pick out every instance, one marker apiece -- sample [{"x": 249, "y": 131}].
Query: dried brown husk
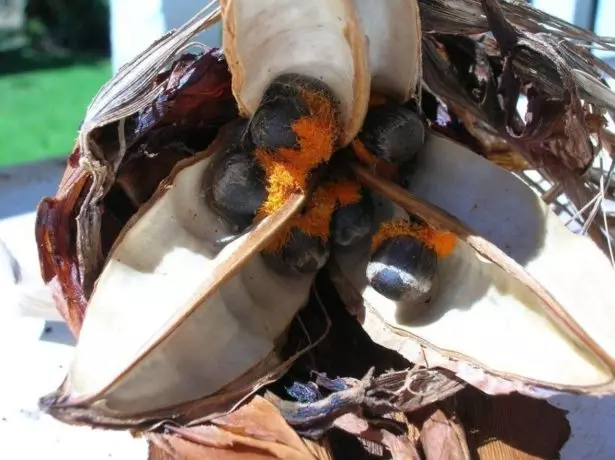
[
  {"x": 533, "y": 54},
  {"x": 471, "y": 425},
  {"x": 255, "y": 431}
]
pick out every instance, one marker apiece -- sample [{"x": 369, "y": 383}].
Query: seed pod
[
  {"x": 170, "y": 298},
  {"x": 175, "y": 324},
  {"x": 402, "y": 269},
  {"x": 351, "y": 223},
  {"x": 302, "y": 254},
  {"x": 535, "y": 326},
  {"x": 392, "y": 133},
  {"x": 234, "y": 186}
]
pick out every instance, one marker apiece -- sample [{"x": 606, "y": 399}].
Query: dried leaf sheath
[
  {"x": 57, "y": 250},
  {"x": 545, "y": 60}
]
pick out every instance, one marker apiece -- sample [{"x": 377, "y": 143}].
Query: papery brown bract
[
  {"x": 255, "y": 431},
  {"x": 54, "y": 233},
  {"x": 205, "y": 99}
]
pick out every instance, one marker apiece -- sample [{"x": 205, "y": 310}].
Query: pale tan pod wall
[
  {"x": 393, "y": 30},
  {"x": 481, "y": 322},
  {"x": 154, "y": 311},
  {"x": 320, "y": 38}
]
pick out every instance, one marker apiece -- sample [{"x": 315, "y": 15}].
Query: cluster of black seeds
[{"x": 402, "y": 268}]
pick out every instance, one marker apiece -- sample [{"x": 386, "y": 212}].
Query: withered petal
[
  {"x": 254, "y": 431},
  {"x": 58, "y": 259}
]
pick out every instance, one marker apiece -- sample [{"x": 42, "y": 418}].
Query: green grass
[{"x": 43, "y": 101}]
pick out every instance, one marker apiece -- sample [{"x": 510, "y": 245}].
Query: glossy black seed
[
  {"x": 281, "y": 105},
  {"x": 352, "y": 223},
  {"x": 270, "y": 126},
  {"x": 402, "y": 269},
  {"x": 392, "y": 133},
  {"x": 235, "y": 188},
  {"x": 302, "y": 254}
]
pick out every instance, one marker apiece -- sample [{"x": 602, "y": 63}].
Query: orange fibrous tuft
[
  {"x": 316, "y": 219},
  {"x": 346, "y": 192},
  {"x": 283, "y": 179},
  {"x": 317, "y": 132},
  {"x": 287, "y": 169},
  {"x": 442, "y": 242}
]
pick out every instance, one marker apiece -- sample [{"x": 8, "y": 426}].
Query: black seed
[
  {"x": 402, "y": 269},
  {"x": 271, "y": 125},
  {"x": 235, "y": 187},
  {"x": 302, "y": 254},
  {"x": 281, "y": 105},
  {"x": 352, "y": 223},
  {"x": 392, "y": 133}
]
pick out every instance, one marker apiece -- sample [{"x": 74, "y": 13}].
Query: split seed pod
[
  {"x": 180, "y": 317},
  {"x": 542, "y": 320}
]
